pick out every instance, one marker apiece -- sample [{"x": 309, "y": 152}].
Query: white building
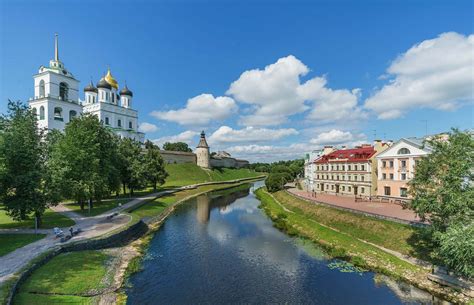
[
  {"x": 310, "y": 169},
  {"x": 56, "y": 100}
]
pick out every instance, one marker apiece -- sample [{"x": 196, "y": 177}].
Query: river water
[{"x": 220, "y": 248}]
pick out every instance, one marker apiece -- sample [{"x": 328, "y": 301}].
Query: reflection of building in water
[
  {"x": 408, "y": 293},
  {"x": 223, "y": 201},
  {"x": 203, "y": 208}
]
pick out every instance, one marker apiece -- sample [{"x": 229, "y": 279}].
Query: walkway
[
  {"x": 91, "y": 227},
  {"x": 384, "y": 210}
]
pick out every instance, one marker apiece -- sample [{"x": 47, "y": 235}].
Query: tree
[
  {"x": 276, "y": 181},
  {"x": 84, "y": 160},
  {"x": 443, "y": 193},
  {"x": 154, "y": 165},
  {"x": 131, "y": 168},
  {"x": 178, "y": 146},
  {"x": 22, "y": 168}
]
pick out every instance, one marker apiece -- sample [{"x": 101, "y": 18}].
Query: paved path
[
  {"x": 386, "y": 210},
  {"x": 91, "y": 227}
]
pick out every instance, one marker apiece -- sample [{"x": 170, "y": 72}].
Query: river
[{"x": 220, "y": 248}]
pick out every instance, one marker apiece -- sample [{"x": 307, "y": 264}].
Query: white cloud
[
  {"x": 331, "y": 105},
  {"x": 271, "y": 91},
  {"x": 436, "y": 73},
  {"x": 270, "y": 153},
  {"x": 200, "y": 110},
  {"x": 276, "y": 92},
  {"x": 189, "y": 137},
  {"x": 147, "y": 127},
  {"x": 226, "y": 134},
  {"x": 332, "y": 137}
]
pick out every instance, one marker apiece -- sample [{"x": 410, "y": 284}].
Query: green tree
[
  {"x": 276, "y": 181},
  {"x": 131, "y": 165},
  {"x": 154, "y": 166},
  {"x": 178, "y": 146},
  {"x": 84, "y": 160},
  {"x": 443, "y": 193},
  {"x": 23, "y": 189}
]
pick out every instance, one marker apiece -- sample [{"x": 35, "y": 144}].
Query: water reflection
[{"x": 220, "y": 248}]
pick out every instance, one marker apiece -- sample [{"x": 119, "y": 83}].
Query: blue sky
[{"x": 280, "y": 77}]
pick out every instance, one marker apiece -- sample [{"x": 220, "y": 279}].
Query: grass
[
  {"x": 67, "y": 278},
  {"x": 388, "y": 234},
  {"x": 50, "y": 220},
  {"x": 189, "y": 173},
  {"x": 337, "y": 243},
  {"x": 98, "y": 208},
  {"x": 11, "y": 242}
]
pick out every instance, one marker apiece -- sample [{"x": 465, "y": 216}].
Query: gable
[{"x": 391, "y": 152}]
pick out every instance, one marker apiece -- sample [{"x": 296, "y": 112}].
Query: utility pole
[{"x": 375, "y": 134}]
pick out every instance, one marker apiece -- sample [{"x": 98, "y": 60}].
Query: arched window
[
  {"x": 130, "y": 125},
  {"x": 106, "y": 121},
  {"x": 41, "y": 89},
  {"x": 119, "y": 123},
  {"x": 35, "y": 111},
  {"x": 403, "y": 151},
  {"x": 63, "y": 91},
  {"x": 42, "y": 113},
  {"x": 72, "y": 115},
  {"x": 58, "y": 113}
]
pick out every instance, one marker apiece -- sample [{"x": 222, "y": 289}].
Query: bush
[{"x": 276, "y": 181}]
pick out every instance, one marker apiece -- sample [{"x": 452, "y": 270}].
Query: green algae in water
[
  {"x": 346, "y": 267},
  {"x": 311, "y": 249}
]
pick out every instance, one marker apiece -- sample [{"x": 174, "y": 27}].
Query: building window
[
  {"x": 384, "y": 164},
  {"x": 384, "y": 176},
  {"x": 119, "y": 123},
  {"x": 35, "y": 112},
  {"x": 362, "y": 190},
  {"x": 361, "y": 178},
  {"x": 391, "y": 164},
  {"x": 41, "y": 89},
  {"x": 72, "y": 115},
  {"x": 106, "y": 121},
  {"x": 403, "y": 192},
  {"x": 362, "y": 167},
  {"x": 386, "y": 190},
  {"x": 41, "y": 113},
  {"x": 58, "y": 113},
  {"x": 63, "y": 91},
  {"x": 348, "y": 188},
  {"x": 348, "y": 167},
  {"x": 404, "y": 176},
  {"x": 343, "y": 188},
  {"x": 403, "y": 151},
  {"x": 355, "y": 167},
  {"x": 349, "y": 178},
  {"x": 130, "y": 125},
  {"x": 391, "y": 176},
  {"x": 404, "y": 163},
  {"x": 355, "y": 178},
  {"x": 332, "y": 187}
]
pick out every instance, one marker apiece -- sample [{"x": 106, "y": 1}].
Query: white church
[{"x": 56, "y": 101}]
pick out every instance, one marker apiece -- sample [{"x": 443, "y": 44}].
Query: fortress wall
[{"x": 171, "y": 157}]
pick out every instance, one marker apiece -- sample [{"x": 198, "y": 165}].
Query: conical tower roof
[{"x": 202, "y": 141}]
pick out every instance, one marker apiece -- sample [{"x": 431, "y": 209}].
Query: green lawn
[
  {"x": 11, "y": 242},
  {"x": 70, "y": 275},
  {"x": 392, "y": 235},
  {"x": 50, "y": 220},
  {"x": 98, "y": 208},
  {"x": 189, "y": 173}
]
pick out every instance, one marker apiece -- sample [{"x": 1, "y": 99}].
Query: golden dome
[{"x": 111, "y": 80}]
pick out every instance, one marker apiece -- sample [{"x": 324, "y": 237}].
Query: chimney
[{"x": 328, "y": 149}]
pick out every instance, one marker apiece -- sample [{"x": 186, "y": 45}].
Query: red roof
[{"x": 348, "y": 155}]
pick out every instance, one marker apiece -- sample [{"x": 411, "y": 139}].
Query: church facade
[{"x": 56, "y": 100}]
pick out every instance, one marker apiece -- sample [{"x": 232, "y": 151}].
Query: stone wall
[
  {"x": 171, "y": 157},
  {"x": 228, "y": 162}
]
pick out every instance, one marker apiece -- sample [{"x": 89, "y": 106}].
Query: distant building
[
  {"x": 56, "y": 100},
  {"x": 396, "y": 167},
  {"x": 350, "y": 172},
  {"x": 202, "y": 152},
  {"x": 310, "y": 166}
]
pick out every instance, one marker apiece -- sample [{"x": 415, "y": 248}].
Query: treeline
[
  {"x": 279, "y": 173},
  {"x": 86, "y": 163}
]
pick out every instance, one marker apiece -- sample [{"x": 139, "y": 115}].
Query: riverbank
[
  {"x": 352, "y": 238},
  {"x": 127, "y": 258}
]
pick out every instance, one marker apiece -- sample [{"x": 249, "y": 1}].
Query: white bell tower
[{"x": 56, "y": 99}]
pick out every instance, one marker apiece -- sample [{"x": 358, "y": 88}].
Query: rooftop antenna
[
  {"x": 56, "y": 47},
  {"x": 375, "y": 134}
]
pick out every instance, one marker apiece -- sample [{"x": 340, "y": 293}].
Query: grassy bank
[
  {"x": 98, "y": 207},
  {"x": 11, "y": 242},
  {"x": 341, "y": 236},
  {"x": 402, "y": 238},
  {"x": 69, "y": 278},
  {"x": 50, "y": 220}
]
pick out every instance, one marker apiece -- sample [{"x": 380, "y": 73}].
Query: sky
[{"x": 266, "y": 80}]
